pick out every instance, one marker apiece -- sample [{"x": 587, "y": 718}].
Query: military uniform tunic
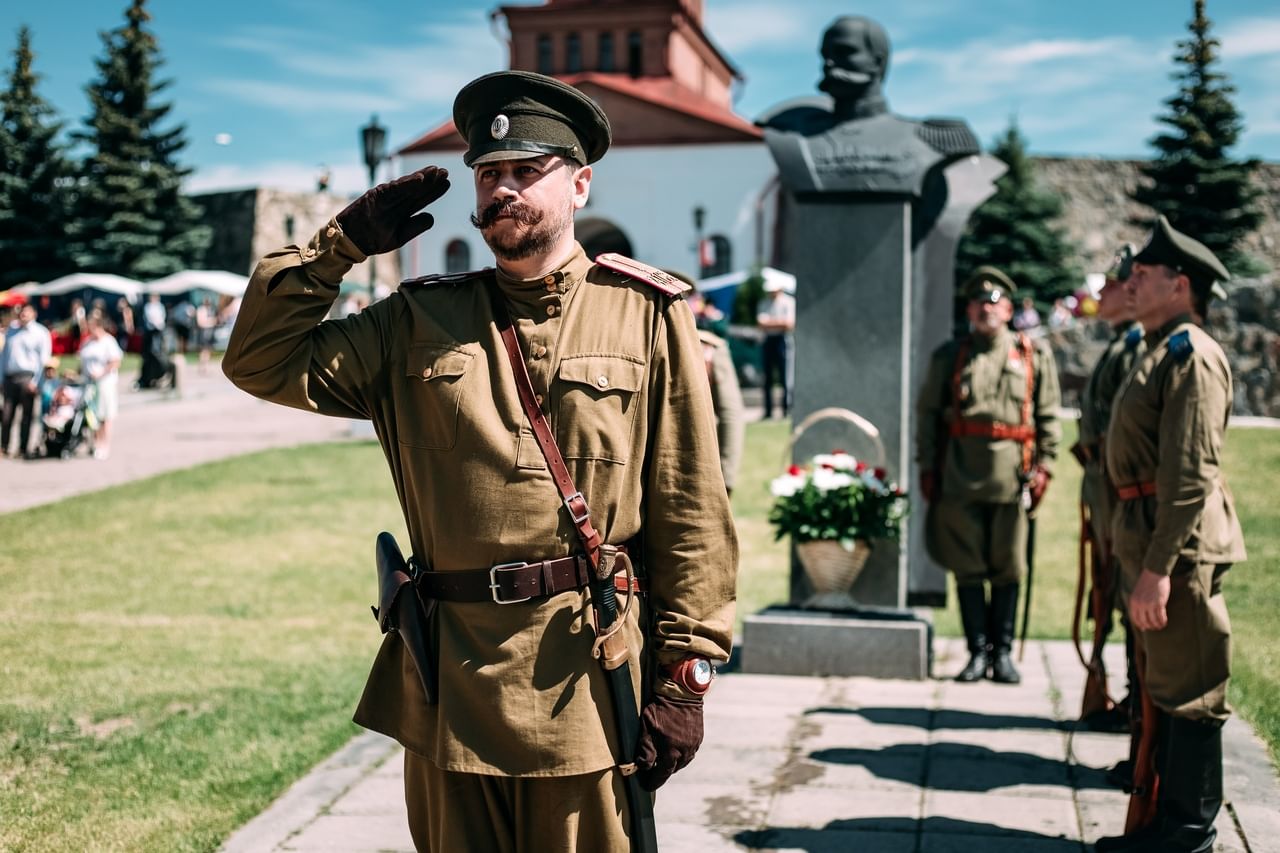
[
  {"x": 1167, "y": 429},
  {"x": 976, "y": 527},
  {"x": 618, "y": 369},
  {"x": 1095, "y": 414},
  {"x": 726, "y": 399}
]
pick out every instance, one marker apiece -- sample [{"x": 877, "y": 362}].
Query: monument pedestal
[{"x": 870, "y": 641}]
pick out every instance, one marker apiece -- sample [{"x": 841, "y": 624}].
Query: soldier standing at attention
[
  {"x": 986, "y": 439},
  {"x": 1176, "y": 533},
  {"x": 1096, "y": 492},
  {"x": 518, "y": 750}
]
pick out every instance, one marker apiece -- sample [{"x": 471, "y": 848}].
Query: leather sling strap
[{"x": 573, "y": 500}]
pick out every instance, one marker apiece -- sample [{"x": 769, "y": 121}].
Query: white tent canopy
[
  {"x": 77, "y": 281},
  {"x": 219, "y": 281},
  {"x": 771, "y": 276}
]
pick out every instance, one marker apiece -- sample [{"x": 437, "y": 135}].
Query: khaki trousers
[
  {"x": 1189, "y": 660},
  {"x": 452, "y": 812},
  {"x": 978, "y": 541}
]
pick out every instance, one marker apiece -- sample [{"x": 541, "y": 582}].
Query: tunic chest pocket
[
  {"x": 427, "y": 407},
  {"x": 597, "y": 406}
]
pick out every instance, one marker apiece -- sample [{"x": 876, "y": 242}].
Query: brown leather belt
[
  {"x": 512, "y": 583},
  {"x": 1134, "y": 491},
  {"x": 992, "y": 429}
]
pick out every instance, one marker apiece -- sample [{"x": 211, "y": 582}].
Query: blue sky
[{"x": 291, "y": 81}]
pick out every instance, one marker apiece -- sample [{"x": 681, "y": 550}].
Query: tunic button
[
  {"x": 539, "y": 351},
  {"x": 551, "y": 310},
  {"x": 602, "y": 380},
  {"x": 538, "y": 399},
  {"x": 309, "y": 252},
  {"x": 426, "y": 373},
  {"x": 549, "y": 280},
  {"x": 551, "y": 287}
]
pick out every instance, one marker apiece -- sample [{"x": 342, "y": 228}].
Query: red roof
[{"x": 661, "y": 92}]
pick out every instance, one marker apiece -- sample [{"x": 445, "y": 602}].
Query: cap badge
[{"x": 500, "y": 127}]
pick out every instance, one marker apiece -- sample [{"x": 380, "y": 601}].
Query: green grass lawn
[{"x": 175, "y": 652}]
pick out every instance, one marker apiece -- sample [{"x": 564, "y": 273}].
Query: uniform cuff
[
  {"x": 666, "y": 687},
  {"x": 329, "y": 255},
  {"x": 1160, "y": 560}
]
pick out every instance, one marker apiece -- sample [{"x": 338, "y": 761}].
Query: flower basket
[{"x": 835, "y": 508}]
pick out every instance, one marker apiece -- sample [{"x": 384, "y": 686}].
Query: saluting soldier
[
  {"x": 1115, "y": 308},
  {"x": 986, "y": 441},
  {"x": 1176, "y": 533},
  {"x": 519, "y": 752}
]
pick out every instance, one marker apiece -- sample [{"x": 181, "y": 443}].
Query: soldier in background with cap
[
  {"x": 986, "y": 439},
  {"x": 1115, "y": 308},
  {"x": 1176, "y": 533},
  {"x": 519, "y": 750}
]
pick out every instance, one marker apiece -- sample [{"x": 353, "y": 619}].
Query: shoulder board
[
  {"x": 1180, "y": 346},
  {"x": 655, "y": 278},
  {"x": 1133, "y": 337},
  {"x": 948, "y": 136},
  {"x": 454, "y": 279}
]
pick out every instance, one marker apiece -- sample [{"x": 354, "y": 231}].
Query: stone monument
[{"x": 871, "y": 209}]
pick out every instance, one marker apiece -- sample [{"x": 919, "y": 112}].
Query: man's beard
[{"x": 540, "y": 235}]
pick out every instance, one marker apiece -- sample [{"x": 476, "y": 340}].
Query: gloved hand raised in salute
[{"x": 386, "y": 217}]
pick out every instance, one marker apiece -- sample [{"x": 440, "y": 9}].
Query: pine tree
[
  {"x": 132, "y": 218},
  {"x": 1015, "y": 230},
  {"x": 34, "y": 179},
  {"x": 1192, "y": 180}
]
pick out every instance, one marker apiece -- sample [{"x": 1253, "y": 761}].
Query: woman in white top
[{"x": 100, "y": 365}]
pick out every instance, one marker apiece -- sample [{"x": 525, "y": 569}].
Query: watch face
[{"x": 702, "y": 672}]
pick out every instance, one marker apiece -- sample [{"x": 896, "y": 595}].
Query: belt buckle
[{"x": 493, "y": 583}]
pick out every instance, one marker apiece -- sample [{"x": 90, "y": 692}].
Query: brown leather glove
[
  {"x": 1038, "y": 484},
  {"x": 386, "y": 217},
  {"x": 670, "y": 734},
  {"x": 928, "y": 485}
]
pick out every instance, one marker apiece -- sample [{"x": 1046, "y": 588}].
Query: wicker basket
[{"x": 829, "y": 567}]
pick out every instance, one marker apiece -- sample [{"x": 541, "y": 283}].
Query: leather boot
[
  {"x": 973, "y": 615},
  {"x": 1004, "y": 611}
]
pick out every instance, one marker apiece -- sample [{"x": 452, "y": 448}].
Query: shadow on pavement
[
  {"x": 923, "y": 718},
  {"x": 983, "y": 835},
  {"x": 963, "y": 767}
]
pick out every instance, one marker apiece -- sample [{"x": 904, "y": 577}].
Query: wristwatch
[{"x": 693, "y": 674}]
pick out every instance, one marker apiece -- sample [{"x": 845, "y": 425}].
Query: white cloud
[
  {"x": 297, "y": 98},
  {"x": 1251, "y": 37},
  {"x": 1047, "y": 50},
  {"x": 282, "y": 175},
  {"x": 748, "y": 26}
]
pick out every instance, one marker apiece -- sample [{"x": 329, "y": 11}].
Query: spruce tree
[
  {"x": 34, "y": 179},
  {"x": 1192, "y": 180},
  {"x": 132, "y": 218},
  {"x": 1015, "y": 230}
]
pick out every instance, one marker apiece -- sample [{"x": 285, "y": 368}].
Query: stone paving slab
[{"x": 876, "y": 773}]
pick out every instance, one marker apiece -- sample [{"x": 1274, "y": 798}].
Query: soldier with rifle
[
  {"x": 549, "y": 431},
  {"x": 987, "y": 437},
  {"x": 1098, "y": 711},
  {"x": 1176, "y": 535}
]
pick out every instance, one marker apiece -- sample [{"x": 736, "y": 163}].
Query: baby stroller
[{"x": 70, "y": 422}]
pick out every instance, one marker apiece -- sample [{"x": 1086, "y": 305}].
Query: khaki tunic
[
  {"x": 620, "y": 369},
  {"x": 726, "y": 399},
  {"x": 962, "y": 531},
  {"x": 1095, "y": 414},
  {"x": 1167, "y": 428}
]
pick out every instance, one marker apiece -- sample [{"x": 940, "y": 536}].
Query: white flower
[
  {"x": 825, "y": 480},
  {"x": 786, "y": 485},
  {"x": 840, "y": 461}
]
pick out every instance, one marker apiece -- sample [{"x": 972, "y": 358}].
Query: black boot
[
  {"x": 1004, "y": 611},
  {"x": 973, "y": 615}
]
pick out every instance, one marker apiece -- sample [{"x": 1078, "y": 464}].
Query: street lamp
[
  {"x": 699, "y": 218},
  {"x": 373, "y": 140}
]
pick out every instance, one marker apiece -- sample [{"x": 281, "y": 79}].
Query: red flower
[
  {"x": 795, "y": 470},
  {"x": 860, "y": 467},
  {"x": 880, "y": 473}
]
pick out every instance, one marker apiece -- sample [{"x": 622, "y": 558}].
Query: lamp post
[
  {"x": 699, "y": 218},
  {"x": 373, "y": 140}
]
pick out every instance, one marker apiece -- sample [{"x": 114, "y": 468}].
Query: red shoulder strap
[
  {"x": 1028, "y": 360},
  {"x": 652, "y": 276}
]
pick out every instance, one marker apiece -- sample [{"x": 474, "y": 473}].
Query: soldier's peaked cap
[
  {"x": 1170, "y": 247},
  {"x": 511, "y": 115},
  {"x": 988, "y": 284}
]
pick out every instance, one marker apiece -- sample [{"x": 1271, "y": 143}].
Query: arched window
[
  {"x": 721, "y": 260},
  {"x": 606, "y": 52},
  {"x": 635, "y": 53},
  {"x": 544, "y": 55},
  {"x": 573, "y": 53},
  {"x": 457, "y": 256}
]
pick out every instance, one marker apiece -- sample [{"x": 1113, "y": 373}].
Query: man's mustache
[{"x": 521, "y": 213}]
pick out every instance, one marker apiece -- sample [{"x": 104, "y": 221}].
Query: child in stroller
[{"x": 69, "y": 422}]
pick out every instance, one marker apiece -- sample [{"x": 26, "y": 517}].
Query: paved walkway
[{"x": 840, "y": 764}]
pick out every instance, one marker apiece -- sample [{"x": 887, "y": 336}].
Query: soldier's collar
[
  {"x": 1164, "y": 331},
  {"x": 562, "y": 279},
  {"x": 981, "y": 343}
]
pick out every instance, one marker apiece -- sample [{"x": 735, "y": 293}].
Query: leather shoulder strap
[
  {"x": 1029, "y": 364},
  {"x": 652, "y": 276},
  {"x": 573, "y": 500}
]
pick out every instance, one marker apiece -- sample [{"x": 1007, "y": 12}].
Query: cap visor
[{"x": 498, "y": 156}]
